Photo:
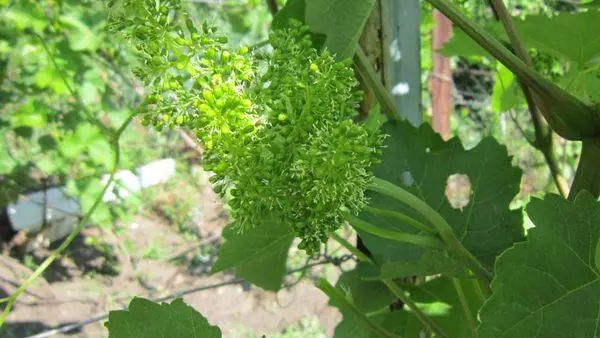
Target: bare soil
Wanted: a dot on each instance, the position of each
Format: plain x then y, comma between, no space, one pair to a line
160,261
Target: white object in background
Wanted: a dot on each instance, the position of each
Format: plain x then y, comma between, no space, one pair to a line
156,172
126,183
28,212
62,211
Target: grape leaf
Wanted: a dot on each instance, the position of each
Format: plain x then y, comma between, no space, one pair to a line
421,162
146,319
549,286
430,262
258,255
341,21
567,35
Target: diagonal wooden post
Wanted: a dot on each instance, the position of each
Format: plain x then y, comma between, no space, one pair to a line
440,81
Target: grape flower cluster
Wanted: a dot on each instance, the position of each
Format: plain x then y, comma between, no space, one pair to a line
278,130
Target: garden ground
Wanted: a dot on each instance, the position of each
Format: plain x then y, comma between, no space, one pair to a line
149,258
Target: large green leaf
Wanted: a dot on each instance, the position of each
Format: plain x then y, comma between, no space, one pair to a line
146,319
258,255
341,21
571,36
549,285
421,162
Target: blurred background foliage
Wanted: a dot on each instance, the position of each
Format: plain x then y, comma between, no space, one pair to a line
64,82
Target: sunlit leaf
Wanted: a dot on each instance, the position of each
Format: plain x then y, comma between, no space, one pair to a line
147,319
258,255
549,286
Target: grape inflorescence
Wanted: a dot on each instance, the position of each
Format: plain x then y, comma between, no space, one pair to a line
278,131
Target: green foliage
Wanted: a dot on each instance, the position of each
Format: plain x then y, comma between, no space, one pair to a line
549,285
565,35
151,320
61,99
367,295
340,21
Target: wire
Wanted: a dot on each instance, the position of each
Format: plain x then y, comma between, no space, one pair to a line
83,323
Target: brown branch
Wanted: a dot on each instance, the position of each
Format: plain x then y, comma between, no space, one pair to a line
273,8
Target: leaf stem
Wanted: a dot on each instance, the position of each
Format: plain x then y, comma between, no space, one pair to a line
367,74
400,217
465,305
65,244
446,232
426,242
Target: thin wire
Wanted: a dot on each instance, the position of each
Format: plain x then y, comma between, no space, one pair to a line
73,326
